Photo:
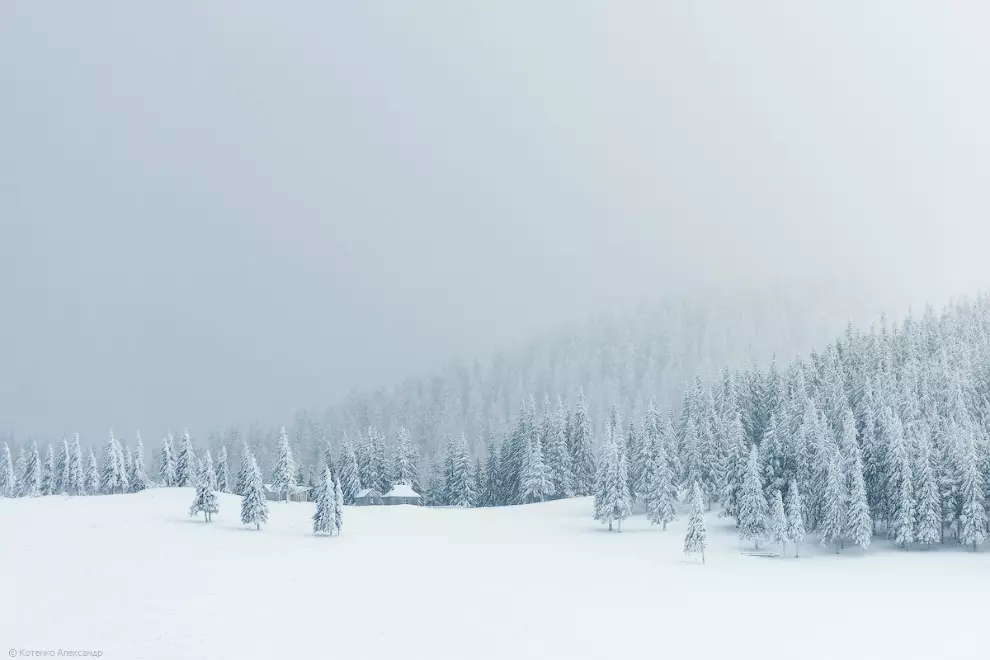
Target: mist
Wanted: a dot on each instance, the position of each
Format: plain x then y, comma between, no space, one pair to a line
228,211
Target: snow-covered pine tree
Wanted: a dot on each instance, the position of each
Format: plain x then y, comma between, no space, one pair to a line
205,500
556,454
582,449
284,474
91,475
696,539
379,462
536,485
973,520
325,517
127,465
753,508
243,470
75,480
350,479
20,466
658,489
338,506
8,482
254,508
166,463
735,468
795,517
61,468
49,481
612,503
929,506
901,483
834,501
457,474
778,523
691,457
634,459
139,479
223,471
209,473
491,490
31,477
407,460
859,524
185,463
113,478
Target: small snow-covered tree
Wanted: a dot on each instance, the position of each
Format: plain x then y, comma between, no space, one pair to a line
338,504
457,474
284,474
536,484
580,444
205,500
185,463
350,476
208,471
554,447
61,467
859,524
795,517
973,520
75,479
8,483
696,539
612,500
31,477
92,475
114,480
139,480
325,517
166,464
243,470
900,481
223,471
49,481
778,522
834,503
406,460
658,482
254,508
753,506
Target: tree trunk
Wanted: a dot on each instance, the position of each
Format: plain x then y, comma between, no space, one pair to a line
619,526
610,525
702,556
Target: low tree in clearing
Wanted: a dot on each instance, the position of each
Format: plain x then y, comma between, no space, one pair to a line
325,518
205,499
778,523
696,539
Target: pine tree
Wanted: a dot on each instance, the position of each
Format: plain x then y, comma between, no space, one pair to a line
350,480
61,468
31,477
378,462
166,469
223,471
696,539
929,508
254,508
859,524
973,520
407,460
325,518
492,487
185,463
581,448
49,481
536,485
778,523
554,445
338,505
736,464
114,480
92,475
244,474
901,483
139,480
612,485
795,518
834,502
658,489
284,474
457,474
7,481
753,506
205,500
75,481
208,472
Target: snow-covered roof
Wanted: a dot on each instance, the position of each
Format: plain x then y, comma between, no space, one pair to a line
365,492
295,488
402,490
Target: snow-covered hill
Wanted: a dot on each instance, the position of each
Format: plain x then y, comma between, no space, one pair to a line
133,576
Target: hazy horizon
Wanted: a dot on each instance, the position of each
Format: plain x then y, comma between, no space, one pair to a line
213,213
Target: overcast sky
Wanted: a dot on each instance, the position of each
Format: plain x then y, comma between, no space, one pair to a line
229,210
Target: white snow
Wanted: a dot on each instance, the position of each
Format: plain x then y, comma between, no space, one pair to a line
134,576
402,490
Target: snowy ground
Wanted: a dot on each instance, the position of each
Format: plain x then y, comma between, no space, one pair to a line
133,576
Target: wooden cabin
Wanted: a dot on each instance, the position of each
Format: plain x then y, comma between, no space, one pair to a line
402,494
368,497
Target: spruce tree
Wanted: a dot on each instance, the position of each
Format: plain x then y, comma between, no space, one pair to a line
205,500
254,508
185,463
582,449
753,506
536,485
325,518
350,480
75,480
973,519
492,488
778,523
166,463
795,518
49,481
555,450
834,503
209,473
139,480
736,465
929,507
407,460
901,483
859,524
61,468
91,475
696,539
658,489
31,477
338,504
457,474
244,474
223,471
284,474
612,487
113,479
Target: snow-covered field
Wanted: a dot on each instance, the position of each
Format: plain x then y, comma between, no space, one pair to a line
133,576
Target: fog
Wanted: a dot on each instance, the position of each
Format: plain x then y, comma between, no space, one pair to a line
226,211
